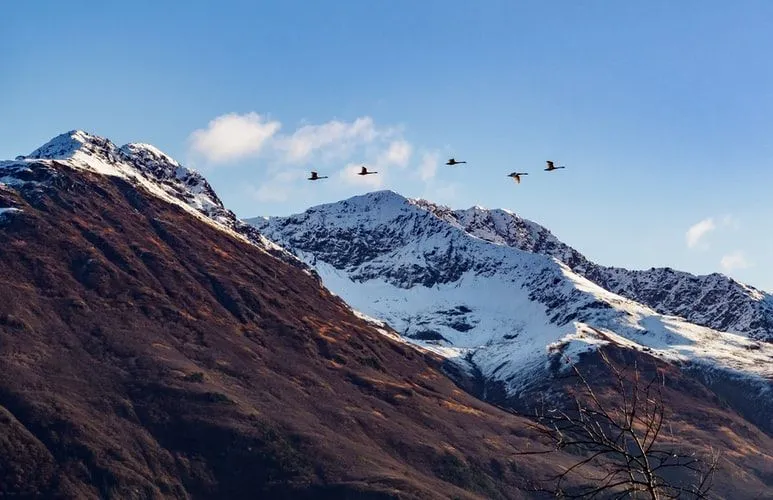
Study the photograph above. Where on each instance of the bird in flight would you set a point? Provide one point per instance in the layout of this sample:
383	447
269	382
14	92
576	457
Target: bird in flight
552	167
364	171
454	162
315	177
517	176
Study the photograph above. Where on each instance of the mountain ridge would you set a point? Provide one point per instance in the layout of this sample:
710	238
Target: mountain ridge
691	294
435	275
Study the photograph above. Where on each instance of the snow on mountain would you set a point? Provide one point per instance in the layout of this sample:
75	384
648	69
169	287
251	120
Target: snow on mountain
715	300
490	290
141	164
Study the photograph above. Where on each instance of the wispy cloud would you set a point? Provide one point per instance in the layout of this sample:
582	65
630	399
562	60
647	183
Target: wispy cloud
428	165
232	137
698	231
336	148
729	221
734	260
334	138
399	153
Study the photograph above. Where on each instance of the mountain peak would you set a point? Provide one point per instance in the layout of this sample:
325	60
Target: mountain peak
66	145
383	196
369	236
140	164
386	203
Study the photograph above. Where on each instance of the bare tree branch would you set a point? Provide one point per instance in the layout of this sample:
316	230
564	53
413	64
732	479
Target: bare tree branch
619	438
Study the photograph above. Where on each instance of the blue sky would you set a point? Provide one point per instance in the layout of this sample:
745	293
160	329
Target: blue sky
661	110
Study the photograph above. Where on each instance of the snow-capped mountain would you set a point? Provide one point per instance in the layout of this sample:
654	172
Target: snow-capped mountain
142	165
502	293
714	300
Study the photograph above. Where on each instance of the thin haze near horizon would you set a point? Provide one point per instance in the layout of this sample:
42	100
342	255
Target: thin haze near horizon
660	110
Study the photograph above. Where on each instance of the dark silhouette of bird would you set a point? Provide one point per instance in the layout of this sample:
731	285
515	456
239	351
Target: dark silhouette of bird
364	171
552	167
454	162
315	177
517	176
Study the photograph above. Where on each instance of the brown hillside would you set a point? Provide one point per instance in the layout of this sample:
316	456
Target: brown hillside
699	419
145	354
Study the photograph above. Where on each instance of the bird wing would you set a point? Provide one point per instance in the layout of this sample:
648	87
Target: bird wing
364	170
550	164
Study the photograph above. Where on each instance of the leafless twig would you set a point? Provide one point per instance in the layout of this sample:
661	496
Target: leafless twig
620	441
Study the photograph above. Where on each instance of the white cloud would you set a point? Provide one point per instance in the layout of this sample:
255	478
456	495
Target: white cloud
399	153
734	260
428	166
232	136
289	176
698	231
334	138
337	148
729	221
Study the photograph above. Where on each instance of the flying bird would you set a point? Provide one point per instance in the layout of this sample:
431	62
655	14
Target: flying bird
315	177
454	162
517	176
552	167
364	171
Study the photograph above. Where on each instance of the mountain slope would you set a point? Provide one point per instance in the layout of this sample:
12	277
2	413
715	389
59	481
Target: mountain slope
448	284
147	352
